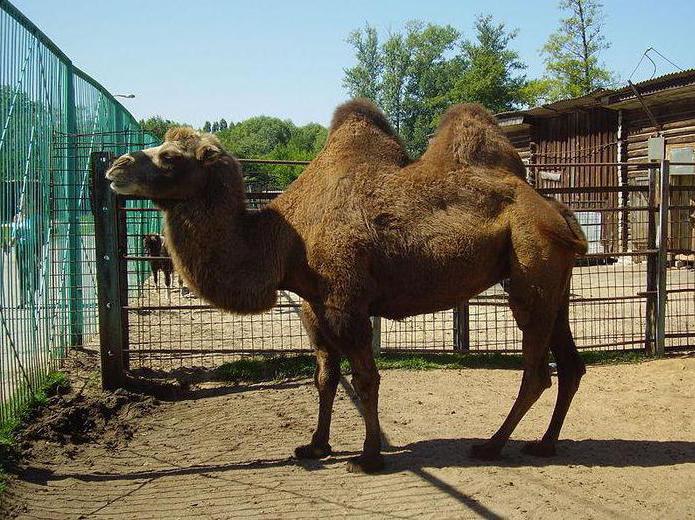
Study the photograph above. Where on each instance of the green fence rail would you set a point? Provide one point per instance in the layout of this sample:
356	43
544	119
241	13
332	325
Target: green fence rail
52	117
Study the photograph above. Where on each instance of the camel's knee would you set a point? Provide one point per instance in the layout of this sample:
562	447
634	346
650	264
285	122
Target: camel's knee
366	383
326	375
536	379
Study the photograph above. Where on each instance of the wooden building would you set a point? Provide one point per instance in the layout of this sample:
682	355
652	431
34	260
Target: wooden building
610	126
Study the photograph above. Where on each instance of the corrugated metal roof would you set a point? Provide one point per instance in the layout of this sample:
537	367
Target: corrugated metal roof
606	97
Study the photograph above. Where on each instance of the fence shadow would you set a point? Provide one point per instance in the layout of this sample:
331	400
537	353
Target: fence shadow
429	454
188	390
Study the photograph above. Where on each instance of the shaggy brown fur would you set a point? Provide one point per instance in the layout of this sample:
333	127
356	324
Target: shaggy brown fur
363	231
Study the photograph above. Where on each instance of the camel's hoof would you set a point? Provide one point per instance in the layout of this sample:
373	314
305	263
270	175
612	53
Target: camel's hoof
539	449
486	451
312	452
363	464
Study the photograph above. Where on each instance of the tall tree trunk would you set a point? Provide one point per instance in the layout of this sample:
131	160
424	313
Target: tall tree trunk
585	56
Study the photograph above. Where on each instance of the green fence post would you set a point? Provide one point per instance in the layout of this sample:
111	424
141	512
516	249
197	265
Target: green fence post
72	191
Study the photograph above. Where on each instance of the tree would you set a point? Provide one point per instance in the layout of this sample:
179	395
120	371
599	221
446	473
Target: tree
416	73
207	127
492	71
223	124
158	126
431	74
362	80
572	53
264	137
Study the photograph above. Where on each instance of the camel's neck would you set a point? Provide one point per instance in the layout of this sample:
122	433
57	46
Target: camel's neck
232	258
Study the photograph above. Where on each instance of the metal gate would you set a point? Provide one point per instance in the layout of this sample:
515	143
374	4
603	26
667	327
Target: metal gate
641	252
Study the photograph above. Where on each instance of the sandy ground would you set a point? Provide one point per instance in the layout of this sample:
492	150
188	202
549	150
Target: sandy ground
224	453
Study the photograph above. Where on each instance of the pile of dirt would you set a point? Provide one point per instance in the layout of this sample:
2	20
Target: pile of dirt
105	417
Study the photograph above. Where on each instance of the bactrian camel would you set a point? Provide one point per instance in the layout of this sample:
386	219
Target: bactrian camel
364	231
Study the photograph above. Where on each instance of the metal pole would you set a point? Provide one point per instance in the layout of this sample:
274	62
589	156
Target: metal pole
72	188
462	340
662	258
111	333
652	279
376	335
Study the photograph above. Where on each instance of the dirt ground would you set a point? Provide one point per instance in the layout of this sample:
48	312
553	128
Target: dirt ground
224	452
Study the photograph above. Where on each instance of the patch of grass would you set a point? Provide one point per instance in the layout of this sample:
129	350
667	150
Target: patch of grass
614	357
266	368
53	383
258	369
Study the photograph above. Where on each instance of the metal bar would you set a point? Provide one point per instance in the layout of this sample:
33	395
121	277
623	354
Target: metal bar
195	307
462	327
662	259
112	342
609	209
540	166
273	161
204	351
680	335
624	253
75	302
376	335
593	189
651	282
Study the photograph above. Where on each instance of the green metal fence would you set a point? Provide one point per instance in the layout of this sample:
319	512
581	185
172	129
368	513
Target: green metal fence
52	117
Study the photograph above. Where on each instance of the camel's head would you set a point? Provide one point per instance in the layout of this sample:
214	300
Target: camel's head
180	168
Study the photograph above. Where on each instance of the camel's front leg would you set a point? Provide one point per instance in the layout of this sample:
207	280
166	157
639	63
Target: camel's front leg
365	380
326	378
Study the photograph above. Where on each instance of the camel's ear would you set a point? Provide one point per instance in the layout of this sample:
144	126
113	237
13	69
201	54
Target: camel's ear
208	153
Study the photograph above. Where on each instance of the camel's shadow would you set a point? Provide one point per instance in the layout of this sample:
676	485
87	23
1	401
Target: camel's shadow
617	453
428	454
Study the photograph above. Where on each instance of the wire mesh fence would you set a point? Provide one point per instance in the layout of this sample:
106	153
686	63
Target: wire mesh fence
613	289
51	116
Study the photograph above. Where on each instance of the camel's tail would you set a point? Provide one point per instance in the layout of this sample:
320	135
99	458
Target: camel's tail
575	239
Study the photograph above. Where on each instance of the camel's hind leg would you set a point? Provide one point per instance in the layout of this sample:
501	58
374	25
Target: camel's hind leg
326	378
534	300
570	369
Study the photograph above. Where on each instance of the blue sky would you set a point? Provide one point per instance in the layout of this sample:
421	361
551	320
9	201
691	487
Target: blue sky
202	59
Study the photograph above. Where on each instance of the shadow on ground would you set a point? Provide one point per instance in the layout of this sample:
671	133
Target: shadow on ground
434	453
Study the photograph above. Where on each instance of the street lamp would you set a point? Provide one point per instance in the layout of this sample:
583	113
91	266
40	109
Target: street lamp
127	96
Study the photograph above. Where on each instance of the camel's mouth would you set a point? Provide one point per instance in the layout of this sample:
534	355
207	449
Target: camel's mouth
122	187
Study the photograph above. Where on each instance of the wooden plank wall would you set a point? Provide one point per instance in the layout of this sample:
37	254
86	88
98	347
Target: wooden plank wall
677	119
588	136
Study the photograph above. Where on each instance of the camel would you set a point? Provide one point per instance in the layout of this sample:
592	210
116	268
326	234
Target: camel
364	231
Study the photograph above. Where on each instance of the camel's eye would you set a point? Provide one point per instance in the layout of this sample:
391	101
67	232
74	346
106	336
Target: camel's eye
168	157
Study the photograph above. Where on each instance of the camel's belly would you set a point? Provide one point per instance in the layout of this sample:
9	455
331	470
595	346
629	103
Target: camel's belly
412	290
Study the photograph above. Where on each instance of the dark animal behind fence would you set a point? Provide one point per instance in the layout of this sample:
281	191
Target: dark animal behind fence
154	246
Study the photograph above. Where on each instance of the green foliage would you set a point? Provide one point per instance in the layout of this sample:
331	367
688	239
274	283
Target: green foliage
493	71
362	80
158	126
207	127
415	74
572	53
264	137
